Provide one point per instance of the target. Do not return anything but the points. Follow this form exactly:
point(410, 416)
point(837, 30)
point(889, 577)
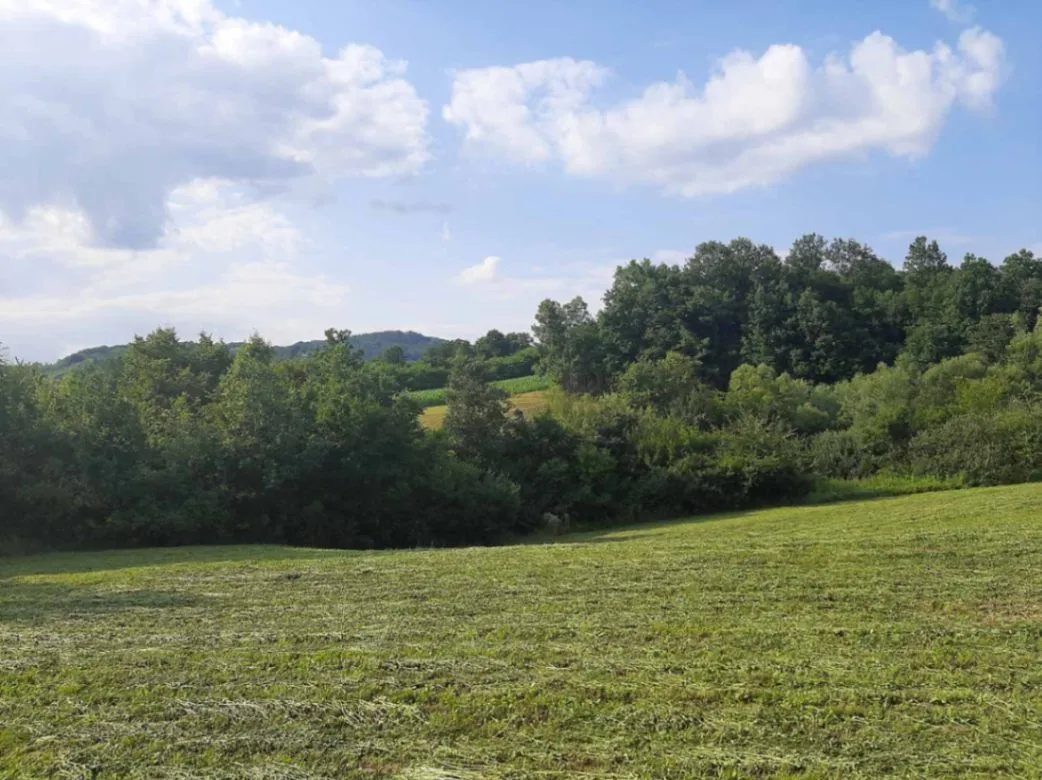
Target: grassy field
point(524, 384)
point(530, 403)
point(897, 637)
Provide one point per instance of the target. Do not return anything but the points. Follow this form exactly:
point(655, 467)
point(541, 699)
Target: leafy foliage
point(736, 379)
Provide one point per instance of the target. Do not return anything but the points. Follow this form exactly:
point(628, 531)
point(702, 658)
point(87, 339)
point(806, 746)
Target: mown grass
point(524, 384)
point(433, 417)
point(897, 637)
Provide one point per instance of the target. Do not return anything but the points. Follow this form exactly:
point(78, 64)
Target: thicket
point(736, 379)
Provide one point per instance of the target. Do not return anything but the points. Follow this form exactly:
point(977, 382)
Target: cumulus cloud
point(569, 279)
point(755, 121)
point(957, 12)
point(109, 106)
point(514, 110)
point(483, 272)
point(231, 265)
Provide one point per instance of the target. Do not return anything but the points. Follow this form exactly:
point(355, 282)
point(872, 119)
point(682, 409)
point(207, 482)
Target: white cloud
point(109, 106)
point(512, 110)
point(483, 272)
point(755, 121)
point(588, 279)
point(957, 12)
point(230, 266)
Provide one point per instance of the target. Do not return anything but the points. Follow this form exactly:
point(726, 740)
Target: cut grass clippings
point(895, 637)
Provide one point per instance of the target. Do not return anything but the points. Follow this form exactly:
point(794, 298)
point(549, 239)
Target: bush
point(838, 454)
point(828, 491)
point(456, 503)
point(985, 449)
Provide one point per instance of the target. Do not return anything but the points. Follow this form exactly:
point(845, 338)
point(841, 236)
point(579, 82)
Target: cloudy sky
point(241, 165)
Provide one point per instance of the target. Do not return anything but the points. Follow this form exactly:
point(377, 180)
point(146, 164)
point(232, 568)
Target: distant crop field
point(529, 403)
point(895, 637)
point(525, 384)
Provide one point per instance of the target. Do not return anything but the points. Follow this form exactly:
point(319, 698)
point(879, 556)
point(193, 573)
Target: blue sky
point(283, 167)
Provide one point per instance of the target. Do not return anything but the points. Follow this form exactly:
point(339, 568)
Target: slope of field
point(899, 637)
point(517, 386)
point(433, 417)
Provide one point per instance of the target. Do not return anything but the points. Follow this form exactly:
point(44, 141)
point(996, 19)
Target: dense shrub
point(985, 449)
point(729, 381)
point(839, 454)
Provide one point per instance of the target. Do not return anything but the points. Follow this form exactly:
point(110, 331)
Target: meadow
point(528, 402)
point(518, 386)
point(895, 637)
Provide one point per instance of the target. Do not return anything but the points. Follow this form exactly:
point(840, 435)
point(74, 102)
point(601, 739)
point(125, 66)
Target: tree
point(669, 386)
point(721, 281)
point(574, 353)
point(1022, 284)
point(643, 315)
point(476, 415)
point(495, 344)
point(394, 356)
point(443, 355)
point(977, 291)
point(925, 257)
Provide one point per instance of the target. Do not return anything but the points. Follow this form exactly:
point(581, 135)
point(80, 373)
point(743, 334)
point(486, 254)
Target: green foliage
point(477, 414)
point(669, 386)
point(523, 384)
point(840, 455)
point(1000, 448)
point(759, 392)
point(829, 491)
point(179, 443)
point(412, 346)
point(735, 379)
point(575, 352)
point(878, 407)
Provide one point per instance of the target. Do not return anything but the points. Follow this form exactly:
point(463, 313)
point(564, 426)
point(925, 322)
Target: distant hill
point(372, 344)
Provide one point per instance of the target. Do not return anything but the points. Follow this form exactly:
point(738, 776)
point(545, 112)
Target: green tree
point(394, 356)
point(574, 353)
point(476, 415)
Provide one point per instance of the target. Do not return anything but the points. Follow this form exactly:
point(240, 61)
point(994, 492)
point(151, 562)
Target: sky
point(282, 167)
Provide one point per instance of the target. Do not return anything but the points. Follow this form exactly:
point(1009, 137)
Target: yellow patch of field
point(433, 417)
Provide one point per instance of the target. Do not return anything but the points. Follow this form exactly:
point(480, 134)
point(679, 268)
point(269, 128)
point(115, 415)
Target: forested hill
point(372, 344)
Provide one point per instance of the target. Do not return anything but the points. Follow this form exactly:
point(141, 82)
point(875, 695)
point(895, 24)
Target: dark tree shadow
point(21, 601)
point(114, 560)
point(628, 532)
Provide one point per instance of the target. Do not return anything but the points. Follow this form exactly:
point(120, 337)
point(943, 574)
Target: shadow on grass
point(38, 600)
point(114, 560)
point(631, 531)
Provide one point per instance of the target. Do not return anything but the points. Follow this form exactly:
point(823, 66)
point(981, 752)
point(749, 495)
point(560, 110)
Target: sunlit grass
point(896, 637)
point(524, 384)
point(433, 417)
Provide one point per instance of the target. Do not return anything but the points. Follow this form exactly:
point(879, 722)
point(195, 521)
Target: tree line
point(739, 378)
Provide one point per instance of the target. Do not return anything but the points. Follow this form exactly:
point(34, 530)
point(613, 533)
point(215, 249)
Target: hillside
point(372, 344)
point(893, 637)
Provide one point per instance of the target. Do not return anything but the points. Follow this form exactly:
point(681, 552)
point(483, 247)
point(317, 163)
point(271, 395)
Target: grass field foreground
point(897, 637)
